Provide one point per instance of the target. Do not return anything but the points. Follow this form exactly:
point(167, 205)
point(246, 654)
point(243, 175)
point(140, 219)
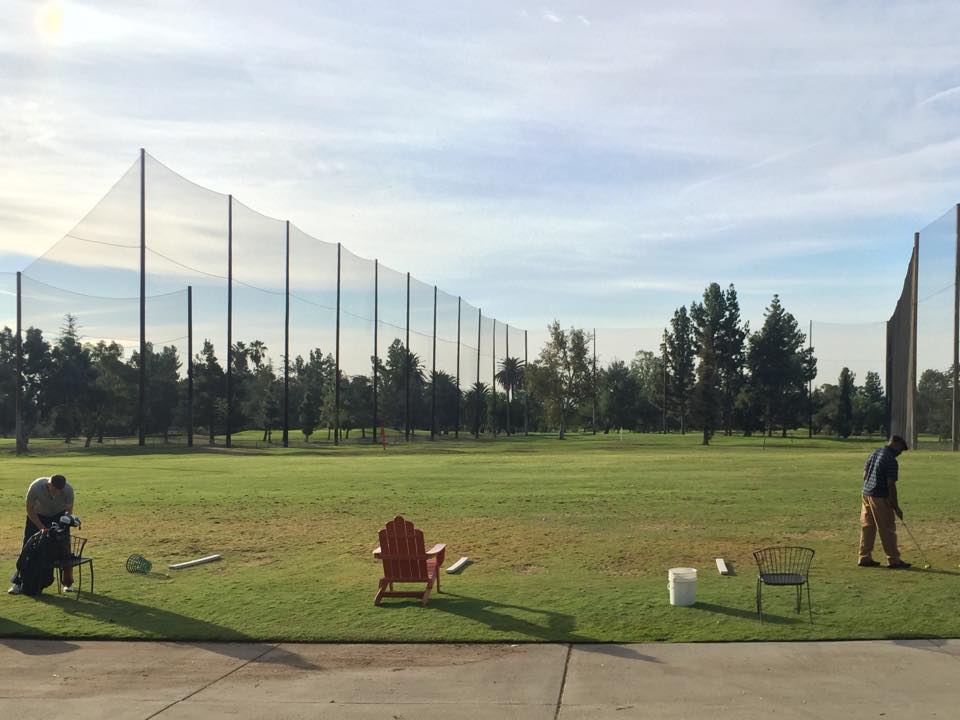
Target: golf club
point(922, 553)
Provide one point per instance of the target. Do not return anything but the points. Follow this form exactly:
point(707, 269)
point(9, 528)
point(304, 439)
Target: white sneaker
point(14, 590)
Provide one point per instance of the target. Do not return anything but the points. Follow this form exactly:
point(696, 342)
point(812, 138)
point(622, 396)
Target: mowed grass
point(571, 540)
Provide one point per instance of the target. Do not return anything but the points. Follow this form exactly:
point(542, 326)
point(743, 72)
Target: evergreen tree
point(847, 389)
point(708, 323)
point(679, 353)
point(72, 383)
point(209, 390)
point(308, 415)
point(730, 353)
point(706, 394)
point(875, 406)
point(780, 366)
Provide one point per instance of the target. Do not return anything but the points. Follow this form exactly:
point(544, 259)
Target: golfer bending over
point(880, 506)
point(47, 499)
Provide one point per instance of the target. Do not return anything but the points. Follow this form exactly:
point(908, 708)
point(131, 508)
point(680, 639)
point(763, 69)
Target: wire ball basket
point(137, 563)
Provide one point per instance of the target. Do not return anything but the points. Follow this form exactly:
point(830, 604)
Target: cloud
point(550, 16)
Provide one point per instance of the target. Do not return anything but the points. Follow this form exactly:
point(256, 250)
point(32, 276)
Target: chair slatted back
point(403, 552)
point(784, 561)
point(76, 546)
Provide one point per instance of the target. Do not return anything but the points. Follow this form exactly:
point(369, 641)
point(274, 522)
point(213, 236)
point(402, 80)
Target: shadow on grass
point(28, 640)
point(751, 614)
point(151, 622)
point(498, 616)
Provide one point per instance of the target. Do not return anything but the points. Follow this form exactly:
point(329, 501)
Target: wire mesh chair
point(783, 566)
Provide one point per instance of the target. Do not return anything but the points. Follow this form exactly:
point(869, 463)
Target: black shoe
point(868, 563)
point(899, 565)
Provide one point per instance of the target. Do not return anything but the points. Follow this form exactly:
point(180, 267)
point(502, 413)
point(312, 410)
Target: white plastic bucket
point(682, 583)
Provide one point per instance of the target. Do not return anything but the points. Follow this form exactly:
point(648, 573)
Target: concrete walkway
point(139, 680)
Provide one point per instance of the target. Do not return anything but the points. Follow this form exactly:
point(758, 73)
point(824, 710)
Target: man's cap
point(58, 481)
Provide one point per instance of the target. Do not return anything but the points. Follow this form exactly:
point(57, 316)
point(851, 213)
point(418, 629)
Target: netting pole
point(594, 381)
point(456, 430)
point(509, 379)
point(955, 426)
point(810, 389)
point(189, 365)
point(406, 371)
point(912, 385)
point(493, 383)
point(433, 375)
point(477, 398)
point(286, 341)
point(142, 370)
point(376, 355)
point(336, 374)
point(21, 445)
point(526, 360)
point(229, 439)
point(663, 361)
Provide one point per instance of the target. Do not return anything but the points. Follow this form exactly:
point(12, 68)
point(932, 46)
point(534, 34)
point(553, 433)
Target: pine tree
point(780, 366)
point(679, 355)
point(847, 388)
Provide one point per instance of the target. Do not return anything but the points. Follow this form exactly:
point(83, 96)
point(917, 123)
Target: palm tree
point(258, 353)
point(510, 378)
point(475, 404)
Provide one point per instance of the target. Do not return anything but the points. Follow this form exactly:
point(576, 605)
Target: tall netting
point(501, 418)
point(313, 320)
point(186, 237)
point(516, 368)
point(445, 385)
point(470, 343)
point(101, 254)
point(391, 348)
point(258, 315)
point(421, 353)
point(487, 359)
point(356, 344)
point(936, 314)
point(8, 300)
point(901, 365)
point(859, 347)
point(8, 349)
point(263, 294)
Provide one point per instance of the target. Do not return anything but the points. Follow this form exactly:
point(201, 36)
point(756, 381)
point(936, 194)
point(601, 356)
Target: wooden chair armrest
point(376, 553)
point(437, 549)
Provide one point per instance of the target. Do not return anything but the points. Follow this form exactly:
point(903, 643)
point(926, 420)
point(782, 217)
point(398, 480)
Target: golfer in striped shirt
point(880, 505)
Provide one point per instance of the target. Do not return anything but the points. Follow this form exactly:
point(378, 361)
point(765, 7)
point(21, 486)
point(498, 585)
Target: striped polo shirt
point(880, 470)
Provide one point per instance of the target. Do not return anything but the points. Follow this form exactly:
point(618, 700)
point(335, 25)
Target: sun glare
point(49, 21)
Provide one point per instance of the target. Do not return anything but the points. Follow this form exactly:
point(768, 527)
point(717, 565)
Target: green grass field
point(571, 540)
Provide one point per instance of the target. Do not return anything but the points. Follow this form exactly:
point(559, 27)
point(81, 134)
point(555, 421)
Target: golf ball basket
point(138, 564)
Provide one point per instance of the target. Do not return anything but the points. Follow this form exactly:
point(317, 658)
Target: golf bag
point(39, 556)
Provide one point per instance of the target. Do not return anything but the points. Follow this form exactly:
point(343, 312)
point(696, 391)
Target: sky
point(598, 163)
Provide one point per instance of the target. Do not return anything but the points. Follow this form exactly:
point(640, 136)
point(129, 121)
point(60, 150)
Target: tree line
point(712, 374)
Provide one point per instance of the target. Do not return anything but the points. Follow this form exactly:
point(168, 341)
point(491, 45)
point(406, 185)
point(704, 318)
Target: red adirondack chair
point(406, 561)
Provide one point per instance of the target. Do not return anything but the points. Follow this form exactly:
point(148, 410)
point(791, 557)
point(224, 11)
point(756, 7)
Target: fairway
point(571, 540)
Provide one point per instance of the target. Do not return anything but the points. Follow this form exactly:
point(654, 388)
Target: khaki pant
point(877, 515)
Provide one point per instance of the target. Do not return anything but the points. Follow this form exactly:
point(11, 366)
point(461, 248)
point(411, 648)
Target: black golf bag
point(39, 556)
